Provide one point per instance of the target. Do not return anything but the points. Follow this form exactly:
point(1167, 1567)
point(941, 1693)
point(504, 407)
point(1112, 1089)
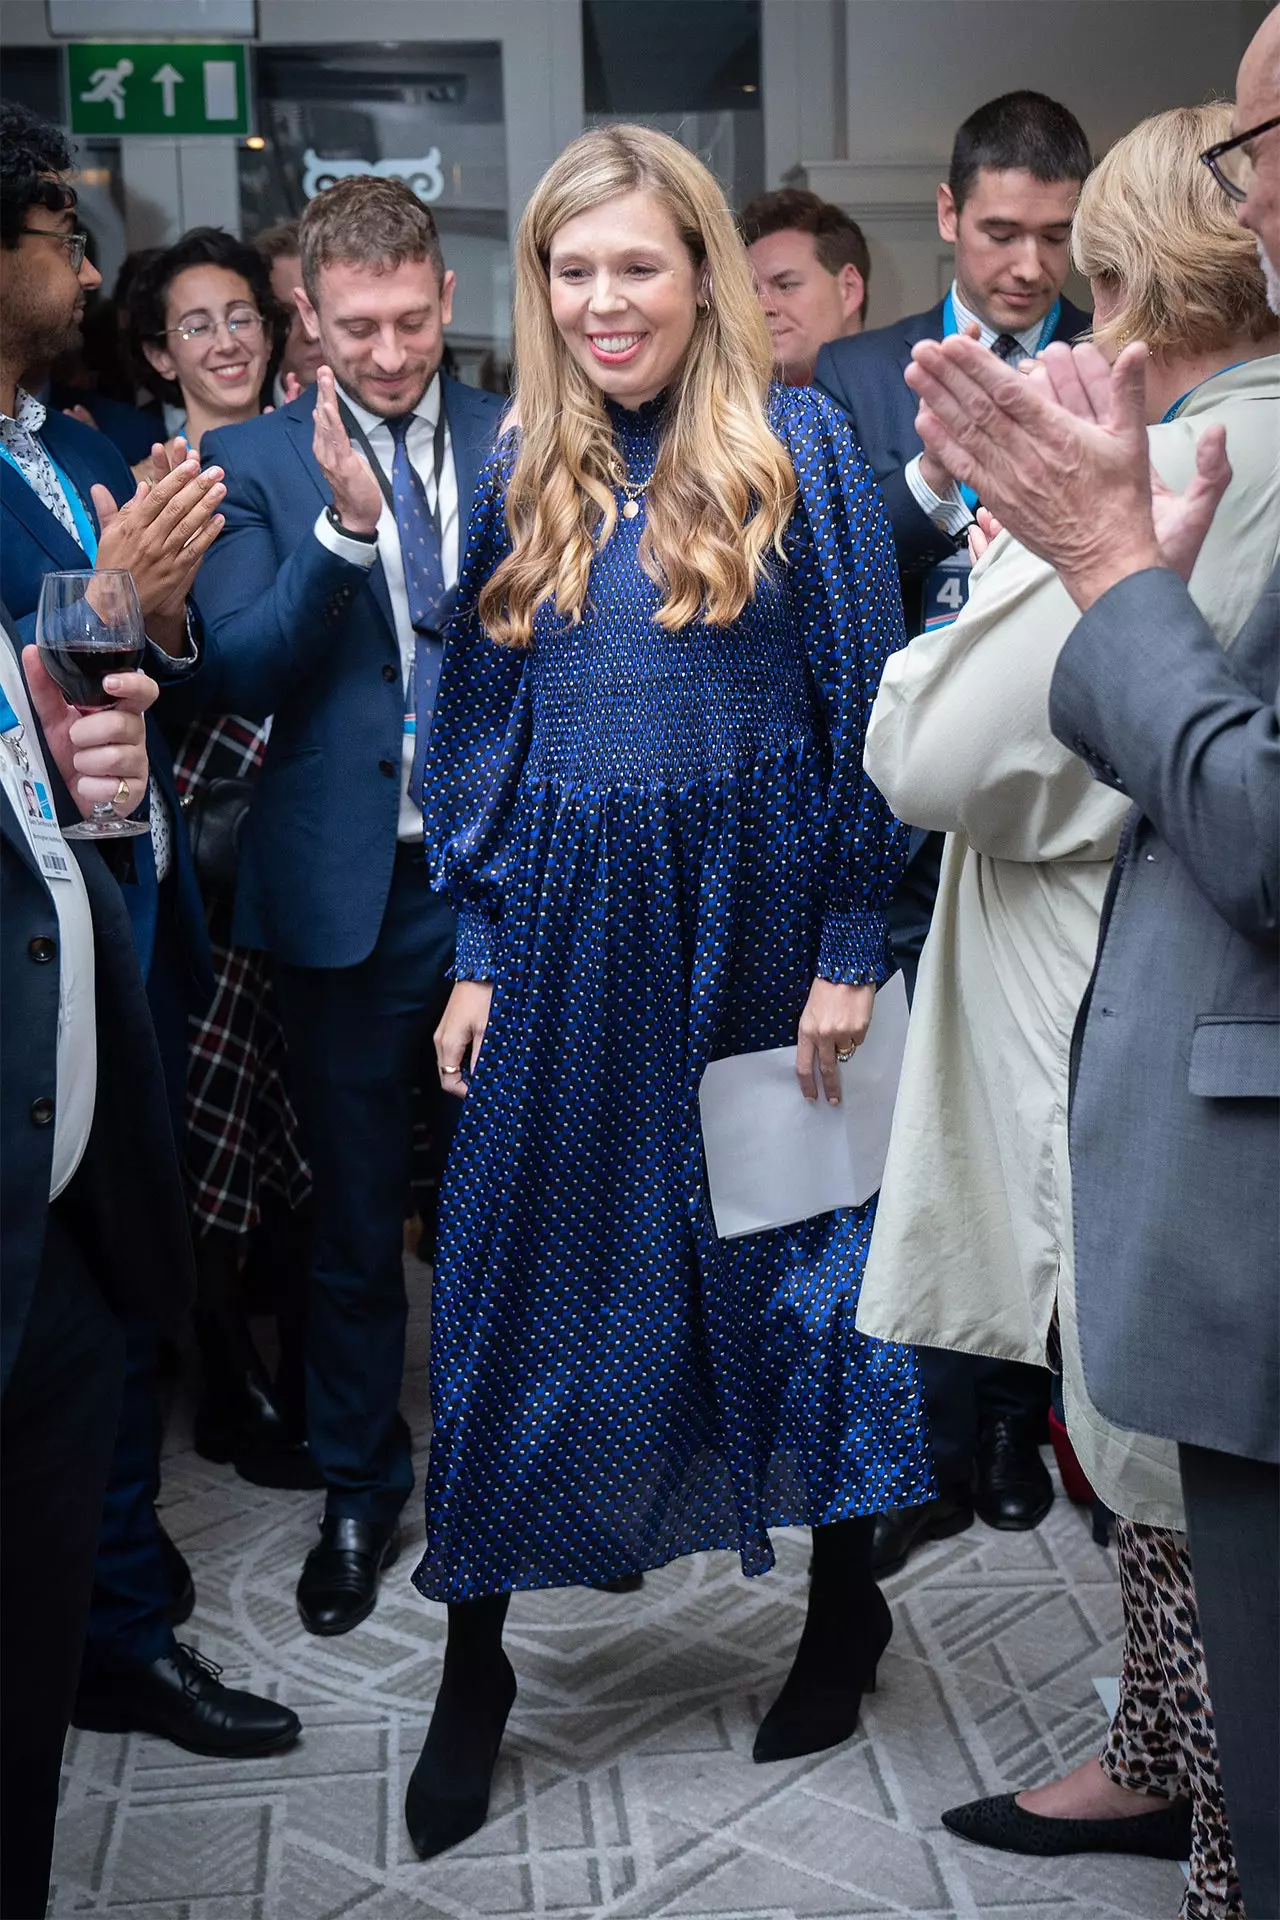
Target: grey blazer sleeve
point(1146, 697)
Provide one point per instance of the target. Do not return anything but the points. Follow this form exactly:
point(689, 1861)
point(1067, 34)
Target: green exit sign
point(173, 87)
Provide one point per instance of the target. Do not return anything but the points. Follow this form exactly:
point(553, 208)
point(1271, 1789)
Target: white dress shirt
point(77, 1072)
point(420, 442)
point(948, 510)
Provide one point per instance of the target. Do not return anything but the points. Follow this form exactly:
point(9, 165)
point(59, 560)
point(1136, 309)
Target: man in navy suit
point(66, 503)
point(323, 604)
point(1006, 207)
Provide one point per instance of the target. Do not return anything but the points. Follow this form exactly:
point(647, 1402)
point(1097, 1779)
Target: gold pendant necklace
point(633, 491)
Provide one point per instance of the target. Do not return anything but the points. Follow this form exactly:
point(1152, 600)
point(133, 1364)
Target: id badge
point(35, 803)
point(946, 590)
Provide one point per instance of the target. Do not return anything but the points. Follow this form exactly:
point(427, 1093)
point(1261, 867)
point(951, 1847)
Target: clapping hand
point(1082, 382)
point(164, 457)
point(357, 498)
point(160, 537)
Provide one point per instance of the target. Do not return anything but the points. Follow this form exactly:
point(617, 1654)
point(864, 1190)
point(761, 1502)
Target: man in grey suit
point(1175, 1118)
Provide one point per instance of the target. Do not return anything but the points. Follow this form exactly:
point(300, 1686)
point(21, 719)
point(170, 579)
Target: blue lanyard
point(1179, 404)
point(85, 532)
point(951, 324)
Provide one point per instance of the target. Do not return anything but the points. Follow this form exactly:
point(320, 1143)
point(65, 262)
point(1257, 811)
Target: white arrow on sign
point(167, 79)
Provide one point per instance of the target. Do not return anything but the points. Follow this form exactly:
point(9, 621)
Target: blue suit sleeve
point(269, 618)
point(918, 544)
point(844, 592)
point(479, 740)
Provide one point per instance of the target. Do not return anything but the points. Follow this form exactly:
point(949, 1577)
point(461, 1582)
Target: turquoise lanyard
point(85, 533)
point(1179, 404)
point(951, 324)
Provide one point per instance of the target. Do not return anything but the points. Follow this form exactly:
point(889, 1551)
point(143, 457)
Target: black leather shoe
point(182, 1588)
point(902, 1529)
point(1164, 1834)
point(248, 1432)
point(181, 1698)
point(338, 1587)
point(1011, 1485)
point(621, 1583)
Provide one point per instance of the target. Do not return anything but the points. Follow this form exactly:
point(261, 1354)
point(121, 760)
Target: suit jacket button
point(42, 949)
point(387, 767)
point(41, 1111)
point(389, 674)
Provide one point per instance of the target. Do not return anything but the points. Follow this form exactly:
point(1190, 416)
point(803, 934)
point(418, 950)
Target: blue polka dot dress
point(655, 841)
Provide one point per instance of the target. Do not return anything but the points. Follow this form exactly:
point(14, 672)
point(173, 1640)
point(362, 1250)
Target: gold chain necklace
point(633, 489)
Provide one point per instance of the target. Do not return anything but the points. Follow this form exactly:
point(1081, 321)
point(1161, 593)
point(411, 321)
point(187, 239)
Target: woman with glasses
point(205, 326)
point(973, 1247)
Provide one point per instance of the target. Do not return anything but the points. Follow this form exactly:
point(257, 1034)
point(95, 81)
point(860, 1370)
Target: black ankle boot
point(447, 1799)
point(847, 1628)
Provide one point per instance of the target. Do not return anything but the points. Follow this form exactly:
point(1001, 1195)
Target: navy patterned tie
point(423, 578)
point(1006, 348)
point(419, 541)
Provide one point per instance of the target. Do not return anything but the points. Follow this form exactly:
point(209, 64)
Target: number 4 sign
point(170, 87)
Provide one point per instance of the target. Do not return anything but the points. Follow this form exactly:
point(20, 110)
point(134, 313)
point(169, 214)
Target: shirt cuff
point(174, 665)
point(361, 553)
point(474, 950)
point(854, 950)
point(946, 510)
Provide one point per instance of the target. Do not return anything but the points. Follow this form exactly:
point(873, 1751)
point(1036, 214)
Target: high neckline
point(643, 419)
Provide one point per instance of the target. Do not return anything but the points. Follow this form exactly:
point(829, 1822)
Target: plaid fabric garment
point(242, 1131)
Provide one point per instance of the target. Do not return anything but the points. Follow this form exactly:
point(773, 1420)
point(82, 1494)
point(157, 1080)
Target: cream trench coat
point(972, 1241)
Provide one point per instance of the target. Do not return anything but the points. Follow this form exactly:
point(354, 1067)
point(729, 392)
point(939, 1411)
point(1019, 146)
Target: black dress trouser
point(57, 1426)
point(1233, 1525)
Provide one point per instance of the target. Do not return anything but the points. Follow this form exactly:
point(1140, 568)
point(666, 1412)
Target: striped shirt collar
point(1028, 339)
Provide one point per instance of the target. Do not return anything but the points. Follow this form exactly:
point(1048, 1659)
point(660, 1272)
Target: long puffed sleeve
point(479, 738)
point(842, 578)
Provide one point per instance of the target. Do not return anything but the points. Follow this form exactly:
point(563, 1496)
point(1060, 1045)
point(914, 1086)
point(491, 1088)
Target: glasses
point(203, 327)
point(1230, 165)
point(72, 244)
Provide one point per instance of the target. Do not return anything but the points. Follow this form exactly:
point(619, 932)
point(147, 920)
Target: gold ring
point(845, 1054)
point(121, 793)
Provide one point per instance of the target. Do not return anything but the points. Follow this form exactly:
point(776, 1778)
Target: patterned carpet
point(626, 1787)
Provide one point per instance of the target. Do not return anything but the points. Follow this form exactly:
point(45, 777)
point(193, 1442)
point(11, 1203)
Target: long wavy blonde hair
point(723, 487)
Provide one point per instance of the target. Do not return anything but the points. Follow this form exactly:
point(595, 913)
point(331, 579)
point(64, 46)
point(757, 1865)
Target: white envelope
point(774, 1157)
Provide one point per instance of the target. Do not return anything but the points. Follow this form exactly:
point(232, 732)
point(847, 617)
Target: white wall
point(862, 97)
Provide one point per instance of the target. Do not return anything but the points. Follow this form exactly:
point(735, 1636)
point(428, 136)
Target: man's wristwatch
point(348, 533)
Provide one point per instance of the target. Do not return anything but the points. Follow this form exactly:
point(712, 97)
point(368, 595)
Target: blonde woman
point(645, 794)
point(973, 1242)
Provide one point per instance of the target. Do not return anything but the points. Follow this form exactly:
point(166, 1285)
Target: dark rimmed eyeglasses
point(1230, 165)
point(73, 244)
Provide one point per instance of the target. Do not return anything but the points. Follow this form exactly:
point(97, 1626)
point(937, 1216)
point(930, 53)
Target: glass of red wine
point(88, 625)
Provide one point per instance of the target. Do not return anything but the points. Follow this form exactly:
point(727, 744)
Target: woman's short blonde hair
point(1154, 223)
point(723, 487)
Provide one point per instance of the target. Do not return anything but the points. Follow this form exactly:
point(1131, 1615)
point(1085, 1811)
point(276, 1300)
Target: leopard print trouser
point(1161, 1740)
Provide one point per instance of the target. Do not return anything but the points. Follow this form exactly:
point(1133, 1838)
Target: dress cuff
point(946, 510)
point(476, 941)
point(855, 947)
